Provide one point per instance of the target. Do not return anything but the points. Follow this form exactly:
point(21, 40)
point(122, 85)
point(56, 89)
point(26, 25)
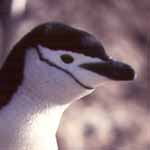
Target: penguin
point(50, 68)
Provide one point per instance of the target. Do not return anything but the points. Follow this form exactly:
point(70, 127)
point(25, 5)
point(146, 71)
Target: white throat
point(33, 115)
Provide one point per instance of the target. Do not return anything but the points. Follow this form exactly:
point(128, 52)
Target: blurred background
point(117, 115)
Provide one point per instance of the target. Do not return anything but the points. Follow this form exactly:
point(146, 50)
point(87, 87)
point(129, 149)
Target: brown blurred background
point(117, 115)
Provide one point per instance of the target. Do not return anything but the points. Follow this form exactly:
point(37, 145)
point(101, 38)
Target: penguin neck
point(34, 118)
point(38, 105)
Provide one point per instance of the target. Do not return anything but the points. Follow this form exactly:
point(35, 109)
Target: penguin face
point(87, 71)
point(70, 63)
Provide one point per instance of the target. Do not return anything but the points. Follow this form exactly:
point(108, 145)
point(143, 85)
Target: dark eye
point(67, 58)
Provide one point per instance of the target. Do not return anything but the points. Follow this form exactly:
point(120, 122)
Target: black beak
point(114, 70)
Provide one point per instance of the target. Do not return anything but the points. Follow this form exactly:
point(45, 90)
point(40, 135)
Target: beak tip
point(131, 74)
point(124, 72)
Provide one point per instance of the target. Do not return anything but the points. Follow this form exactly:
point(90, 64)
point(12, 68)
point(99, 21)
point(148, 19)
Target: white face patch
point(87, 78)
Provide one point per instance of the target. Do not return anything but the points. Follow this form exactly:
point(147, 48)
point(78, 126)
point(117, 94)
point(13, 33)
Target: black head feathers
point(58, 36)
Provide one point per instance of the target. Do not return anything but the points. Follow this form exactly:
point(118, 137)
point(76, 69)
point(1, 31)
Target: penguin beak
point(112, 69)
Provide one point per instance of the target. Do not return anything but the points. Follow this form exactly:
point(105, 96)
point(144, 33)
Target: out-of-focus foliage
point(117, 115)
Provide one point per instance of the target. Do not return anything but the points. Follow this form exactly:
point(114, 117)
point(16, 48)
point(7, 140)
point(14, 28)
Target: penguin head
point(74, 52)
point(78, 54)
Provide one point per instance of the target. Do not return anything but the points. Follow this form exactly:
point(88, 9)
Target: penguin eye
point(67, 58)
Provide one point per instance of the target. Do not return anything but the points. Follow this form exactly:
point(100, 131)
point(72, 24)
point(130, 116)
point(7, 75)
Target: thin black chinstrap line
point(70, 74)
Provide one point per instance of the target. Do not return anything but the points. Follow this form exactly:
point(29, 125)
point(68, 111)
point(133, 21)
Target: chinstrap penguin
point(48, 69)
